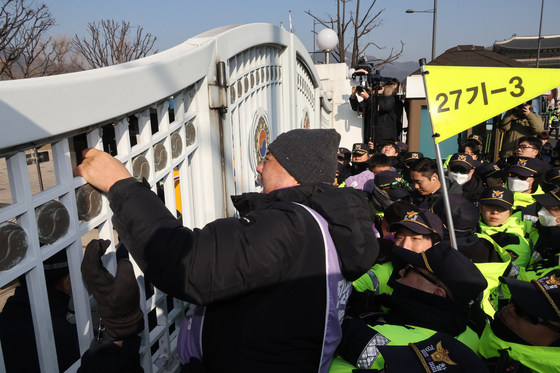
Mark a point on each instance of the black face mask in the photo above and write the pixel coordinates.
(505, 332)
(358, 167)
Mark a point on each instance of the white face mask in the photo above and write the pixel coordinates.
(459, 177)
(546, 219)
(516, 185)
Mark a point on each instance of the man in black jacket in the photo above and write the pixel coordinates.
(425, 178)
(16, 323)
(270, 287)
(378, 112)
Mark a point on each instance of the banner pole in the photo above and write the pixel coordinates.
(441, 171)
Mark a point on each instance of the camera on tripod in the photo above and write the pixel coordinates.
(379, 81)
(361, 74)
(362, 65)
(361, 78)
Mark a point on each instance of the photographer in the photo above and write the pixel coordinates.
(378, 111)
(518, 122)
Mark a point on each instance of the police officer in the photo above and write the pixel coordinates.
(492, 260)
(527, 330)
(434, 293)
(360, 156)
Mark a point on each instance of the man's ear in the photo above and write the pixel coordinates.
(440, 292)
(435, 177)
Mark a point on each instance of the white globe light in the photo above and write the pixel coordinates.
(327, 40)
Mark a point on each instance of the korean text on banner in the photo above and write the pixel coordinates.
(462, 97)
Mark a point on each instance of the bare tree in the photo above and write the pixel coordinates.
(62, 57)
(360, 28)
(23, 27)
(111, 43)
(53, 57)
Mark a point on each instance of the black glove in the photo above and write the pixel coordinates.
(118, 298)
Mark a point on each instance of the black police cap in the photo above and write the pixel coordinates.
(452, 268)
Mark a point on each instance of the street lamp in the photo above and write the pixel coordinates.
(540, 37)
(434, 28)
(327, 40)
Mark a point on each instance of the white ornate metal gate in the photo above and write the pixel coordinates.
(180, 122)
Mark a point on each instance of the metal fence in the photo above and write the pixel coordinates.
(194, 120)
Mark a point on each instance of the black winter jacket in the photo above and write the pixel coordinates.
(472, 189)
(427, 201)
(385, 128)
(261, 277)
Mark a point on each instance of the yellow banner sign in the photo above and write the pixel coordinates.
(462, 97)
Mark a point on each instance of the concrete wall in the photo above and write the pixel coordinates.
(334, 78)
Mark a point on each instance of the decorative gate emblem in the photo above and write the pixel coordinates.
(262, 139)
(306, 121)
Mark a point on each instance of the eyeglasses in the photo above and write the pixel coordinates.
(394, 185)
(520, 177)
(534, 319)
(410, 266)
(522, 146)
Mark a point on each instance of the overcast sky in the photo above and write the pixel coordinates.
(478, 22)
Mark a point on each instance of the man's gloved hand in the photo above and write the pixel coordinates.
(118, 297)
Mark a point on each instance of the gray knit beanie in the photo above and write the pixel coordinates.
(308, 155)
